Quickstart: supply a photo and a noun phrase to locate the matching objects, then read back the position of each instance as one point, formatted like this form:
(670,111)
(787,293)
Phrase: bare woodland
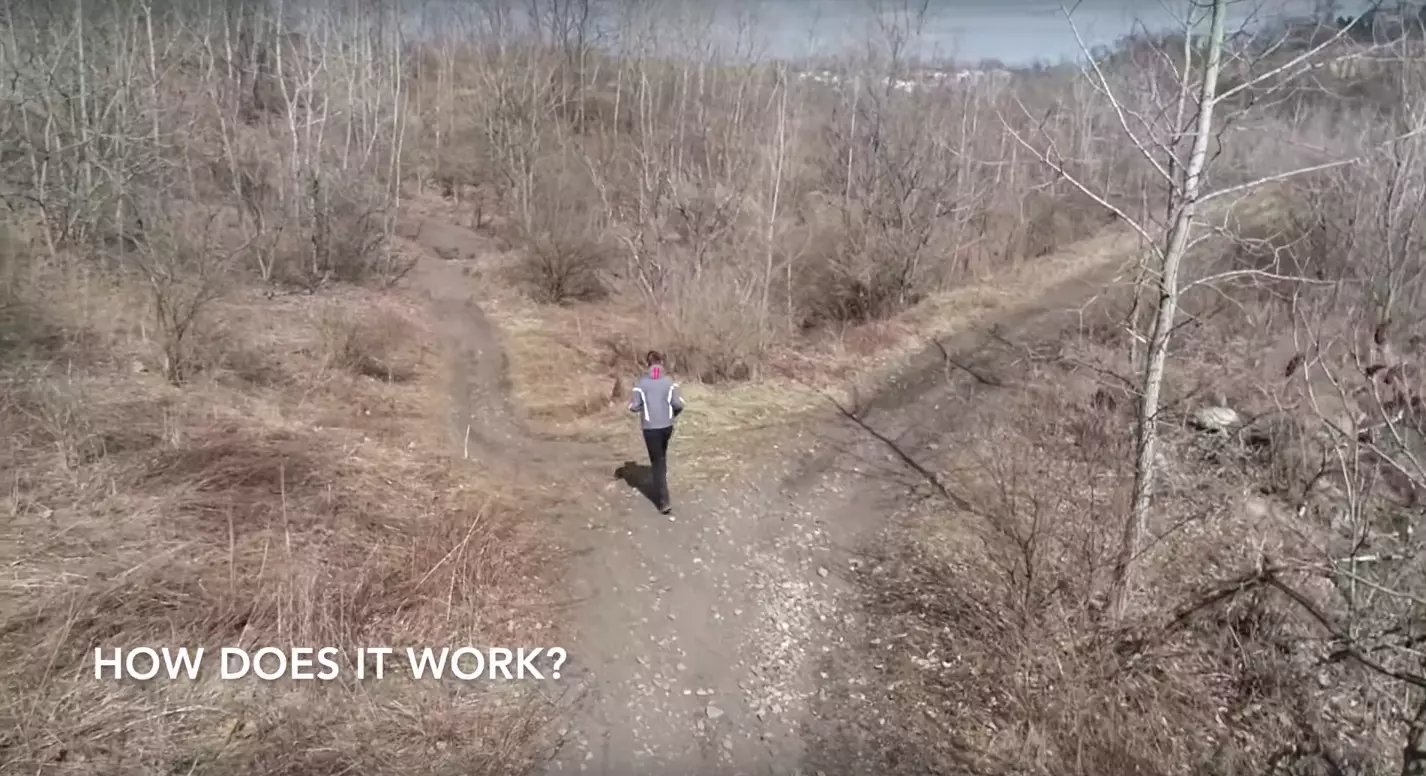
(194,191)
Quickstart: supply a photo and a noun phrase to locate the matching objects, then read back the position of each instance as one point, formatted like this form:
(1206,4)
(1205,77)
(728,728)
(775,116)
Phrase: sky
(1013,31)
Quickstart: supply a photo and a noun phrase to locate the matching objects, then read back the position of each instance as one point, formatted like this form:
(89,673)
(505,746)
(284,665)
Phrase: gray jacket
(657,399)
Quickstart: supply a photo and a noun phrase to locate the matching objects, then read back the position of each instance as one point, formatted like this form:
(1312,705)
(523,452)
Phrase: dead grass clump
(236,537)
(621,355)
(369,344)
(51,413)
(347,231)
(245,469)
(564,267)
(231,356)
(1286,452)
(855,274)
(708,333)
(1050,222)
(561,231)
(26,331)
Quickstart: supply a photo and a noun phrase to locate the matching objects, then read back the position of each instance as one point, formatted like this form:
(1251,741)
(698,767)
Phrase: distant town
(911,81)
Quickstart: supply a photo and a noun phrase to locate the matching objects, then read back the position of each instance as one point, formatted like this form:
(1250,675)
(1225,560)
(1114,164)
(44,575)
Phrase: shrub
(367,346)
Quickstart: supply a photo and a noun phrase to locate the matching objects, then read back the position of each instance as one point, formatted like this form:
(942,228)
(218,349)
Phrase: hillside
(325,338)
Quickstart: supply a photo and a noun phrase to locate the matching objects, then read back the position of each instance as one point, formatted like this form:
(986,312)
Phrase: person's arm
(636,404)
(676,400)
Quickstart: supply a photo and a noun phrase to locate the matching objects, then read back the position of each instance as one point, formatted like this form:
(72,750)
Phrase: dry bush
(1001,663)
(229,355)
(186,266)
(566,255)
(53,414)
(27,330)
(862,279)
(708,332)
(563,267)
(1050,221)
(346,226)
(367,344)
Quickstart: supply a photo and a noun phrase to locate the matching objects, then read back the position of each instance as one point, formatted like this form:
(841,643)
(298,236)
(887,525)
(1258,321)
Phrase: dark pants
(656,439)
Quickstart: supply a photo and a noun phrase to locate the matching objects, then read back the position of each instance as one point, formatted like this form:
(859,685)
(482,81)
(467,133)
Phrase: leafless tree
(1355,386)
(186,267)
(1176,134)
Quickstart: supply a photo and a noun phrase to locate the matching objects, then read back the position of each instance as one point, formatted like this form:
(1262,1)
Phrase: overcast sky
(1014,31)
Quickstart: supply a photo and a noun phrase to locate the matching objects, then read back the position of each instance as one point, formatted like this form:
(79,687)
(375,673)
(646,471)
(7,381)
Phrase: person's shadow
(639,477)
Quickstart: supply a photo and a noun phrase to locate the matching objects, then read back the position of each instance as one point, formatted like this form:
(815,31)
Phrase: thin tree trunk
(779,150)
(1166,308)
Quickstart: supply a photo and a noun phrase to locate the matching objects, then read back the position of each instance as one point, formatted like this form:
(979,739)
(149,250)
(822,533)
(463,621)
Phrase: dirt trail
(482,422)
(701,642)
(688,629)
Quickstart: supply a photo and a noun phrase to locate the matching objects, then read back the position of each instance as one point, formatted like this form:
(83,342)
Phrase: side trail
(698,642)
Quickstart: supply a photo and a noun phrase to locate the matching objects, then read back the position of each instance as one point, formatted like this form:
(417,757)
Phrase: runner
(657,398)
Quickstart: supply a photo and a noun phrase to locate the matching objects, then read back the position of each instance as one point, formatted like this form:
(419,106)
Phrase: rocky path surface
(698,639)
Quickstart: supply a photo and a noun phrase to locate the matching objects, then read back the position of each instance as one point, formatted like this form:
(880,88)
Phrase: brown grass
(295,500)
(1000,662)
(286,487)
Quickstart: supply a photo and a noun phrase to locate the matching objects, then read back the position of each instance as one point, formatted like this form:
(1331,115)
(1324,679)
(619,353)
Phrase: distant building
(912,81)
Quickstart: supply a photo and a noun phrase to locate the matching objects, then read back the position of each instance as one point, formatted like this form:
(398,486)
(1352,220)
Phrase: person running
(657,398)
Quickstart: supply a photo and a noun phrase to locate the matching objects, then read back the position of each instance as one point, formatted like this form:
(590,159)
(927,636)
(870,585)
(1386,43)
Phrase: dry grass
(291,495)
(985,620)
(368,343)
(293,492)
(565,362)
(985,630)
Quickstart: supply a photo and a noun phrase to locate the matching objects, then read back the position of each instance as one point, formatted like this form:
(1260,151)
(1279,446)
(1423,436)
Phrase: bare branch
(1306,57)
(1254,273)
(1119,112)
(1084,189)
